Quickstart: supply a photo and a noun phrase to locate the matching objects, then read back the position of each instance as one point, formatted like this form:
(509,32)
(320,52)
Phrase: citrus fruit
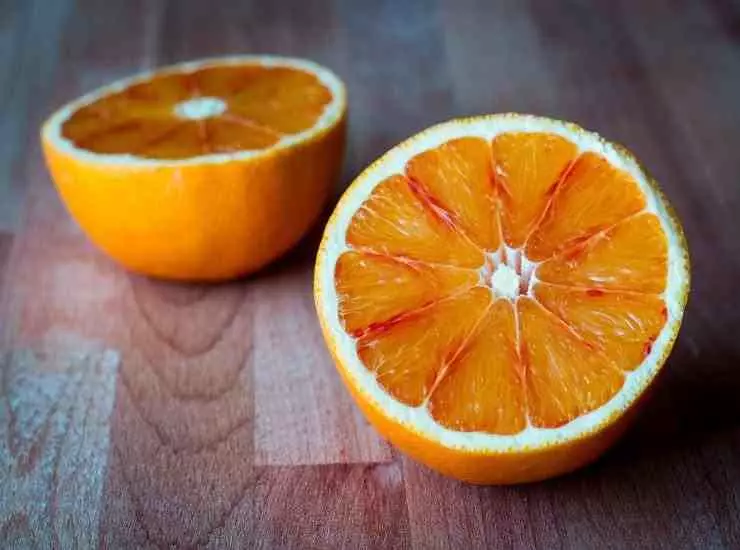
(498,292)
(204,170)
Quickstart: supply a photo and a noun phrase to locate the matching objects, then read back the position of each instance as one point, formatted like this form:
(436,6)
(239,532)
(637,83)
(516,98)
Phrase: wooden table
(136,413)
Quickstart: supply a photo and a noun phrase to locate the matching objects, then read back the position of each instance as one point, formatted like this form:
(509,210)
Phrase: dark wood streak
(181,296)
(155,318)
(164,540)
(200,380)
(138,514)
(155,499)
(6,242)
(168,441)
(205,395)
(16,527)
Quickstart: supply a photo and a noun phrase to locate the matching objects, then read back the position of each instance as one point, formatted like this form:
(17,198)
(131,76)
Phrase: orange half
(201,171)
(498,292)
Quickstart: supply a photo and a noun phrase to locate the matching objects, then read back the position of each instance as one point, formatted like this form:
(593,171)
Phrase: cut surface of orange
(498,292)
(203,170)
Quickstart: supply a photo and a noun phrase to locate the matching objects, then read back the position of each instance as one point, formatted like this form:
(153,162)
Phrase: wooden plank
(182,425)
(55,407)
(445,513)
(30,33)
(61,382)
(106,43)
(396,74)
(355,506)
(303,412)
(660,497)
(497,60)
(194,29)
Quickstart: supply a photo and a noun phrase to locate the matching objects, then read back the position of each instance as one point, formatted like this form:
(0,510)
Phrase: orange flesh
(528,170)
(260,105)
(415,289)
(456,178)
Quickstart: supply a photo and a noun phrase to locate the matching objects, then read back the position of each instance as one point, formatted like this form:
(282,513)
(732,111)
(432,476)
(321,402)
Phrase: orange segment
(408,353)
(247,108)
(528,168)
(230,134)
(632,255)
(457,178)
(145,101)
(226,82)
(623,326)
(164,89)
(566,377)
(133,135)
(393,221)
(95,122)
(373,289)
(483,389)
(283,100)
(177,139)
(594,196)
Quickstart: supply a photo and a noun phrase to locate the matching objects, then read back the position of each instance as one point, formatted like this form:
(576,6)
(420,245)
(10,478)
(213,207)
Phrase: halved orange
(499,291)
(203,170)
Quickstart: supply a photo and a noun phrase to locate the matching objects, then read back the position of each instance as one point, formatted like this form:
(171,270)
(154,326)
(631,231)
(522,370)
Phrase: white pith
(52,129)
(508,272)
(505,281)
(419,418)
(200,108)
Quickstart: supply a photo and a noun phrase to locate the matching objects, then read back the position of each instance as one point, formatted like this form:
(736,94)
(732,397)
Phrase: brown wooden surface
(136,413)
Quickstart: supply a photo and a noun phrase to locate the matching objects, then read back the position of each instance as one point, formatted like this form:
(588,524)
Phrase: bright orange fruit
(498,292)
(204,170)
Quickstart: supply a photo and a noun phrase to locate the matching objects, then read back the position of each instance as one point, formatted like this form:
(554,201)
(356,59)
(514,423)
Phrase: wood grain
(30,42)
(303,415)
(344,506)
(136,413)
(54,436)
